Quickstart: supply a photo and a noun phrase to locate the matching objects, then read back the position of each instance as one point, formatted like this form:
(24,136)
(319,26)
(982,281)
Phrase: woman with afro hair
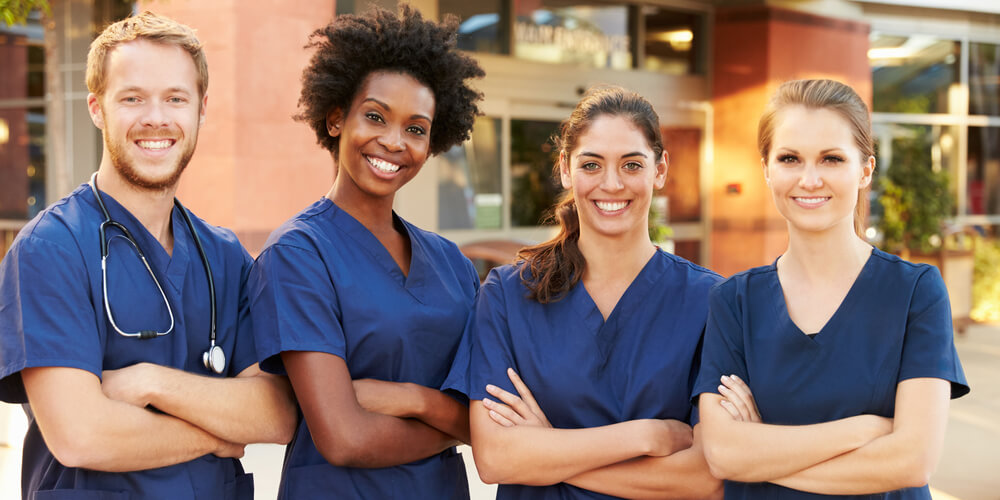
(360,309)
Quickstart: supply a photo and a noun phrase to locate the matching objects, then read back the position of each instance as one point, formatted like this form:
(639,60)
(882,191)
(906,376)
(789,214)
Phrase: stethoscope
(214,358)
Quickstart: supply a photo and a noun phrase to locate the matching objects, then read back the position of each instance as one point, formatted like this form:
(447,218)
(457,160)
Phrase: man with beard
(123,318)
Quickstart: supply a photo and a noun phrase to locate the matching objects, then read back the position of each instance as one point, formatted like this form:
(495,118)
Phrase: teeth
(811,201)
(149,144)
(383,165)
(611,206)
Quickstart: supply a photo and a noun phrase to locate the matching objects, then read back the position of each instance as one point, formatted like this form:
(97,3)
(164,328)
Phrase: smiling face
(384,137)
(150,113)
(815,170)
(612,173)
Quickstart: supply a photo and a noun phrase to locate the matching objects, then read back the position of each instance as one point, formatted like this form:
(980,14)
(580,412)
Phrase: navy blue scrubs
(324,283)
(894,324)
(585,371)
(52,314)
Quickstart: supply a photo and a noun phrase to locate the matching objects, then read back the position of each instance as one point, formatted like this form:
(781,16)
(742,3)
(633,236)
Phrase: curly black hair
(353,46)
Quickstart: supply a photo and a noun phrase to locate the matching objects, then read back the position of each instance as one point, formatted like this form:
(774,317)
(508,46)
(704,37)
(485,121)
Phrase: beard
(126,168)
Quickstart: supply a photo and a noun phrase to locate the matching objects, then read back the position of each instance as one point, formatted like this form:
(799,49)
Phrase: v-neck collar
(606,331)
(365,239)
(172,265)
(846,304)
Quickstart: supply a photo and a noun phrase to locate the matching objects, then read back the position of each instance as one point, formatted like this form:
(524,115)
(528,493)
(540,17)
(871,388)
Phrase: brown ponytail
(550,269)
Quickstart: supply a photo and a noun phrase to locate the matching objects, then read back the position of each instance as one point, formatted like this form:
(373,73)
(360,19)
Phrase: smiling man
(123,318)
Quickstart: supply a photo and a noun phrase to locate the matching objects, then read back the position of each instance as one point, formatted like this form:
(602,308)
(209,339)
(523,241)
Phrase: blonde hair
(145,26)
(836,97)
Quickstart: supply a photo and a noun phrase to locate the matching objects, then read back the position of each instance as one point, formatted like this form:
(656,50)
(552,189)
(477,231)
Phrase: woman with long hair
(603,326)
(829,371)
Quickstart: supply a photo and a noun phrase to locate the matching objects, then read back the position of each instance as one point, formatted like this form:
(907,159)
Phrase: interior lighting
(4,132)
(679,40)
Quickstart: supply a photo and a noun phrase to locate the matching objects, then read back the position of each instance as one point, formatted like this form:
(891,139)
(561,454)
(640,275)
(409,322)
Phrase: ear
(201,112)
(867,170)
(661,170)
(767,175)
(334,121)
(94,107)
(567,180)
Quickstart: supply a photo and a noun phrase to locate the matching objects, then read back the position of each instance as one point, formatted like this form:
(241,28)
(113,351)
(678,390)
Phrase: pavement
(969,468)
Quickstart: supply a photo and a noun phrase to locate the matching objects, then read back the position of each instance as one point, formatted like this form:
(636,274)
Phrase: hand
(670,436)
(515,410)
(132,384)
(229,450)
(388,398)
(738,400)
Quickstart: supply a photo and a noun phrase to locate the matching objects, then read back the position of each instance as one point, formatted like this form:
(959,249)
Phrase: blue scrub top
(324,283)
(585,371)
(894,324)
(52,314)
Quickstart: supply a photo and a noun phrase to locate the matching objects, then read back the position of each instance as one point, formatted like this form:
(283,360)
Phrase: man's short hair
(145,26)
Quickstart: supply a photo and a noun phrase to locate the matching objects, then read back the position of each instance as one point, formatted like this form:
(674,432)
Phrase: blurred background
(930,70)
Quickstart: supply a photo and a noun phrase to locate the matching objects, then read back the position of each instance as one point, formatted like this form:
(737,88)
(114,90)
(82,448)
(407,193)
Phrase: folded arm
(904,458)
(84,428)
(407,400)
(254,407)
(345,433)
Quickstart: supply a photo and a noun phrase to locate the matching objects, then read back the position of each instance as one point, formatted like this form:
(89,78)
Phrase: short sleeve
(293,306)
(47,317)
(244,352)
(928,345)
(723,348)
(486,350)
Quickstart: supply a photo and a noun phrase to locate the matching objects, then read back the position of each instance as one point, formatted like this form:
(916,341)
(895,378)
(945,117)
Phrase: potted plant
(916,202)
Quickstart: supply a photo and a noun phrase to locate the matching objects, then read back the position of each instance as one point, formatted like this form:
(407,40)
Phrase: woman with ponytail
(603,327)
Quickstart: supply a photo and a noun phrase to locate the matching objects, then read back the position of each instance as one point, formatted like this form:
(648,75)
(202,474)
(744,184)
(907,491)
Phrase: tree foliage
(16,11)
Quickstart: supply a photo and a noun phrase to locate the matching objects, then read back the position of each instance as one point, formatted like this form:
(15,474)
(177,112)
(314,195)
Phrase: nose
(811,177)
(155,116)
(391,139)
(611,180)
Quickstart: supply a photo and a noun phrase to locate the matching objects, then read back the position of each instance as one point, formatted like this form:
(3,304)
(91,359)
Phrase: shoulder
(61,226)
(737,285)
(304,228)
(695,275)
(899,271)
(435,243)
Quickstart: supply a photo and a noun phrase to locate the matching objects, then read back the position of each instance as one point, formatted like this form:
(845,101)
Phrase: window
(914,74)
(982,182)
(470,193)
(534,189)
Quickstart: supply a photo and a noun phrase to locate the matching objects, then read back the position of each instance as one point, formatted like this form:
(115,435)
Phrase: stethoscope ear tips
(214,359)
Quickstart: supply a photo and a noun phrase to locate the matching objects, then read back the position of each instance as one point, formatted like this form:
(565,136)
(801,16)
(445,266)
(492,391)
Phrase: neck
(151,208)
(374,213)
(827,254)
(615,257)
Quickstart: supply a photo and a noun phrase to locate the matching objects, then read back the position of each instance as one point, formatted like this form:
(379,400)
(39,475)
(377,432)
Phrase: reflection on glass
(935,146)
(22,162)
(469,181)
(984,79)
(534,190)
(672,41)
(482,28)
(587,33)
(983,175)
(914,74)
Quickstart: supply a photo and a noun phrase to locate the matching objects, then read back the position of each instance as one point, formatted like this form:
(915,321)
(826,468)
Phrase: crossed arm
(370,423)
(855,455)
(636,459)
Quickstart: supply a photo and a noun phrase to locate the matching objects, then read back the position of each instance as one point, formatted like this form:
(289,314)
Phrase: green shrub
(986,281)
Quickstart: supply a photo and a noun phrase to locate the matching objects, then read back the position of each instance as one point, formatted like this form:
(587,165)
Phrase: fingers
(745,387)
(739,396)
(515,402)
(529,399)
(502,414)
(733,412)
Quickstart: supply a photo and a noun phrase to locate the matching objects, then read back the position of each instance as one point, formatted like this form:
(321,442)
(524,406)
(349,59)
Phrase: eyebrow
(388,108)
(135,88)
(595,155)
(823,152)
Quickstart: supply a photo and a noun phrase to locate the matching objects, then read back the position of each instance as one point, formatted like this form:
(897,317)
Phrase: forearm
(373,440)
(684,474)
(443,413)
(83,428)
(535,455)
(754,452)
(252,408)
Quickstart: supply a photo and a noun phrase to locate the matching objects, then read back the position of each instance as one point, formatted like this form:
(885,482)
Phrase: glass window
(534,190)
(914,74)
(672,42)
(22,120)
(983,172)
(586,33)
(470,192)
(482,27)
(928,146)
(984,79)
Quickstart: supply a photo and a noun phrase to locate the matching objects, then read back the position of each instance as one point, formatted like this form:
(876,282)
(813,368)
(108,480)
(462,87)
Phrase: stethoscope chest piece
(214,359)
